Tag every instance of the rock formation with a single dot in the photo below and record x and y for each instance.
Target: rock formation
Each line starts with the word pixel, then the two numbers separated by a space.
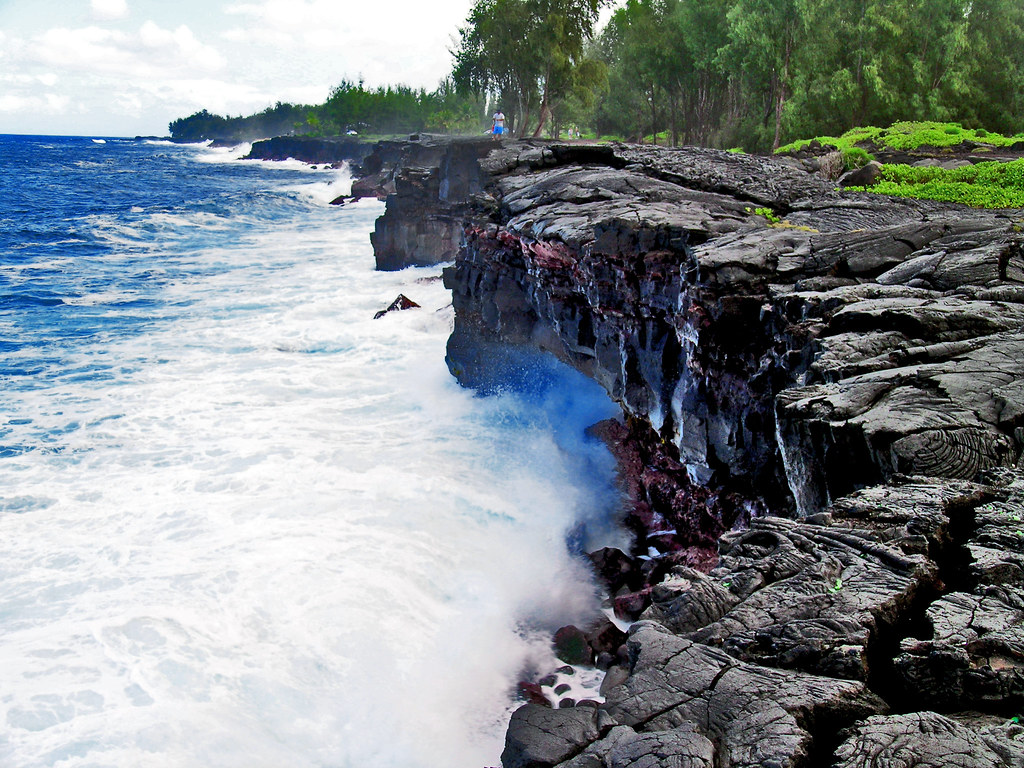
pixel 310 150
pixel 823 412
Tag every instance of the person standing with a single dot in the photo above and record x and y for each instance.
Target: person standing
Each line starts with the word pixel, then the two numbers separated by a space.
pixel 498 124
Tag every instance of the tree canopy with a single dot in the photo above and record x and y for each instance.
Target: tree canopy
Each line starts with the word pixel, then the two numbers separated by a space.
pixel 750 73
pixel 351 106
pixel 529 56
pixel 761 72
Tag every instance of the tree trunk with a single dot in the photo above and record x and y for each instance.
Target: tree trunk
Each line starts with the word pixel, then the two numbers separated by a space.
pixel 673 108
pixel 654 118
pixel 524 109
pixel 780 100
pixel 545 109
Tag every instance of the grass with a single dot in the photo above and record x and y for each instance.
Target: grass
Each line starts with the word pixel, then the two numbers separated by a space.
pixel 908 136
pixel 775 221
pixel 984 185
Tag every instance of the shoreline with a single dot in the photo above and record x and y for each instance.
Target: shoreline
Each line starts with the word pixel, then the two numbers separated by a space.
pixel 750 361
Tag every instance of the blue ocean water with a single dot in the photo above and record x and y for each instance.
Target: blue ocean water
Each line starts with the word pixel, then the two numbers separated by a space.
pixel 241 522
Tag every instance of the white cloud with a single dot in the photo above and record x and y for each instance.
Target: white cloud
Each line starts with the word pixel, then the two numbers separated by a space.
pixel 274 38
pixel 56 103
pixel 412 47
pixel 115 77
pixel 49 103
pixel 89 48
pixel 12 102
pixel 181 43
pixel 109 9
pixel 152 51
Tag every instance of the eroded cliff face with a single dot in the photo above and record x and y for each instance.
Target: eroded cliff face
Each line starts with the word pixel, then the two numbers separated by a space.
pixel 698 286
pixel 851 363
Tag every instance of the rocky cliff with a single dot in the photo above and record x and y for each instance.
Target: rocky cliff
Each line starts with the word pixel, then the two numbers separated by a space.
pixel 823 396
pixel 311 150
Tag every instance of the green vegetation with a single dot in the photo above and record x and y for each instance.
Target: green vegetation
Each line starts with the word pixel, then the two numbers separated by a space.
pixel 985 185
pixel 855 157
pixel 907 136
pixel 273 121
pixel 386 110
pixel 768 213
pixel 725 73
pixel 529 57
pixel 758 73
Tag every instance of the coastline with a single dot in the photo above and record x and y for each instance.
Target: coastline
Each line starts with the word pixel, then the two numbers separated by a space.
pixel 822 370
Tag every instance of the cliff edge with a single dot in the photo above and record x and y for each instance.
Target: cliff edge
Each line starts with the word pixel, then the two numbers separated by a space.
pixel 823 399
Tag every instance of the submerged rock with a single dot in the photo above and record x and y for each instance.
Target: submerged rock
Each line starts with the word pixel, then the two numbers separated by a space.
pixel 400 303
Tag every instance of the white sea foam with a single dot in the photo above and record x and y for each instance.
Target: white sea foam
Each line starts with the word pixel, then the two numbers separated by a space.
pixel 336 183
pixel 232 154
pixel 277 532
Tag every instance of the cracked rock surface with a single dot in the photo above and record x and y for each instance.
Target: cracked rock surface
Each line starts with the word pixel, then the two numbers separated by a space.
pixel 823 420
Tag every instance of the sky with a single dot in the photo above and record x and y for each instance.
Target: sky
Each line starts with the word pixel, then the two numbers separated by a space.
pixel 129 67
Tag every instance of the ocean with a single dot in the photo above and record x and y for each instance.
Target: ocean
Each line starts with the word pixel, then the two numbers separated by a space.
pixel 242 522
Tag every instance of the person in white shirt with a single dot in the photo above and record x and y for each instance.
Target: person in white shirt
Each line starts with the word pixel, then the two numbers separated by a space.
pixel 498 125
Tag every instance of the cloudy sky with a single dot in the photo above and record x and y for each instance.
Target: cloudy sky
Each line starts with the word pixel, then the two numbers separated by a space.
pixel 128 67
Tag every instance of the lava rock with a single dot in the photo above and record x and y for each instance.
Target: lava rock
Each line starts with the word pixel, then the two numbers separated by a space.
pixel 571 646
pixel 539 736
pixel 400 303
pixel 927 738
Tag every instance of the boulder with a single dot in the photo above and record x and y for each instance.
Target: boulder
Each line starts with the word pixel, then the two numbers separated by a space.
pixel 539 736
pixel 400 303
pixel 571 646
pixel 929 739
pixel 864 176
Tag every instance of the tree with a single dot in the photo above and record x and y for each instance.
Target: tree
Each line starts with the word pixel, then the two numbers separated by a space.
pixel 494 56
pixel 764 37
pixel 531 50
pixel 994 41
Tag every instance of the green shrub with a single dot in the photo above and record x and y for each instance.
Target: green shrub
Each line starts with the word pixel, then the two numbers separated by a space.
pixel 768 213
pixel 985 185
pixel 906 136
pixel 855 157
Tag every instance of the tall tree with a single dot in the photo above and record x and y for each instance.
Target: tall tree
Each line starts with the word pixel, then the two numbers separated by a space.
pixel 495 55
pixel 994 39
pixel 534 49
pixel 764 39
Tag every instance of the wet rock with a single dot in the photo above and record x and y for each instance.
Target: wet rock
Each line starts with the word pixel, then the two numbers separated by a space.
pixel 823 412
pixel 400 303
pixel 310 150
pixel 605 637
pixel 615 568
pixel 539 736
pixel 754 714
pixel 532 693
